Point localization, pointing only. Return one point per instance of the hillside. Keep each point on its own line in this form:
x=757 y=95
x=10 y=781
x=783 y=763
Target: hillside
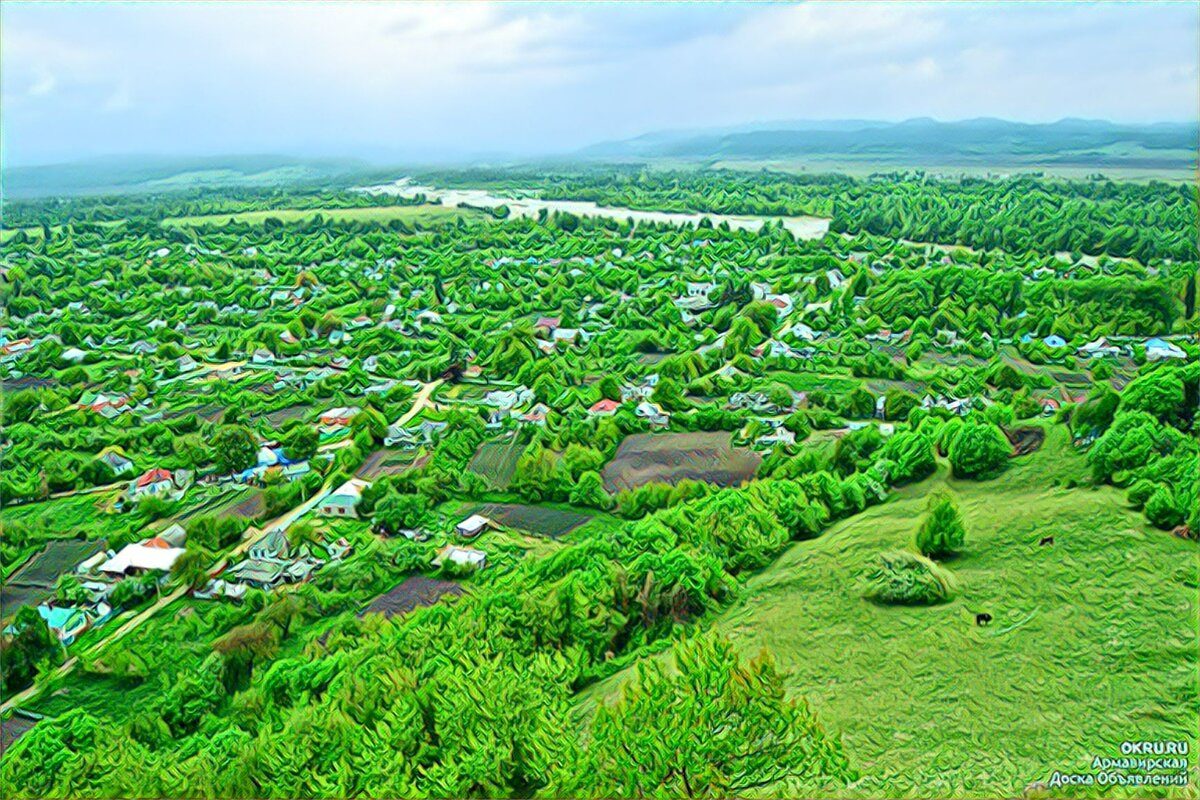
x=1092 y=642
x=138 y=174
x=994 y=142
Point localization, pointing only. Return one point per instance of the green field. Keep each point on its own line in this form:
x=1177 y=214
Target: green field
x=423 y=214
x=1093 y=640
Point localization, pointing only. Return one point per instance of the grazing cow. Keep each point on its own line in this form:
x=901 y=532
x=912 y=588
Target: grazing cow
x=1046 y=540
x=983 y=619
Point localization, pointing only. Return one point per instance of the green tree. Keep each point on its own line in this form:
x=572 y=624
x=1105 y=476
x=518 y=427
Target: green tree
x=712 y=727
x=979 y=450
x=942 y=532
x=24 y=652
x=301 y=442
x=234 y=449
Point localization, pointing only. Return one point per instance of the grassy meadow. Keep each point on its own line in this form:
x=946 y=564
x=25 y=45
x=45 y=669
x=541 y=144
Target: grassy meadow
x=1093 y=639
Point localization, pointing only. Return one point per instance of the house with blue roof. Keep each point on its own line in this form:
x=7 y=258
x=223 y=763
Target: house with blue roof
x=64 y=622
x=1157 y=349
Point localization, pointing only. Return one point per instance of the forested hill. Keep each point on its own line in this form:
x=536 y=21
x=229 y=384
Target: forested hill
x=1071 y=141
x=140 y=174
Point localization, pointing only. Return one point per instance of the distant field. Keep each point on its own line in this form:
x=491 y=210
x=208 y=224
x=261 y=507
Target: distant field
x=672 y=457
x=424 y=214
x=13 y=598
x=496 y=461
x=1169 y=166
x=1093 y=640
x=552 y=523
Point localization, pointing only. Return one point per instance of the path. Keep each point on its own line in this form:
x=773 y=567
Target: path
x=421 y=401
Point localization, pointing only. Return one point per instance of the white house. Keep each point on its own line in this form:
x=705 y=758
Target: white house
x=461 y=555
x=473 y=525
x=1158 y=349
x=344 y=501
x=142 y=557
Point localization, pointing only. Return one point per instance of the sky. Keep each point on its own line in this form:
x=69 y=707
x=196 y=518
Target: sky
x=436 y=80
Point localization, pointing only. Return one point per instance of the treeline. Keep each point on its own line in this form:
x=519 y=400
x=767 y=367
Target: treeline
x=1148 y=221
x=45 y=213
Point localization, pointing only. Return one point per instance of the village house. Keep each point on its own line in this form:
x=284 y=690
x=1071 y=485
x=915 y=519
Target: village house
x=1158 y=349
x=548 y=325
x=1099 y=349
x=604 y=408
x=463 y=556
x=777 y=436
x=508 y=399
x=653 y=414
x=536 y=415
x=65 y=622
x=344 y=501
x=138 y=558
x=152 y=482
x=116 y=461
x=473 y=525
x=339 y=417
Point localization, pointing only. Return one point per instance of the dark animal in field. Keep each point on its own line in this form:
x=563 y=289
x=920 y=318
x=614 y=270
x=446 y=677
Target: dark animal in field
x=983 y=619
x=1046 y=540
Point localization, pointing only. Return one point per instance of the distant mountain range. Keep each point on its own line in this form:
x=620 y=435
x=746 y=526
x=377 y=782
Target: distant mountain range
x=916 y=140
x=1169 y=148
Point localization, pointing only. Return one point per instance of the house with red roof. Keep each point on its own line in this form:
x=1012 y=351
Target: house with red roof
x=153 y=481
x=604 y=408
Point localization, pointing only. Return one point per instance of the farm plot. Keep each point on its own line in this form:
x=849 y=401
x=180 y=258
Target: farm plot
x=12 y=729
x=553 y=523
x=279 y=416
x=412 y=593
x=57 y=557
x=14 y=598
x=496 y=461
x=672 y=457
x=246 y=504
x=389 y=461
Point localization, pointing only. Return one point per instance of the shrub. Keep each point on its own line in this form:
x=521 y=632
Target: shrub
x=1140 y=492
x=906 y=579
x=942 y=532
x=1162 y=510
x=979 y=451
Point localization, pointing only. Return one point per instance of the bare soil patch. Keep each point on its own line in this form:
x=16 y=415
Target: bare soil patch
x=672 y=457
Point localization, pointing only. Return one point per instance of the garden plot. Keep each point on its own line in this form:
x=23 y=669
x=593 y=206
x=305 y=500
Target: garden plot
x=553 y=523
x=58 y=557
x=412 y=593
x=672 y=457
x=496 y=461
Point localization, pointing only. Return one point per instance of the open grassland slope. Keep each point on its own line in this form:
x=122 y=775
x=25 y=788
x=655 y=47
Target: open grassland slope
x=1093 y=639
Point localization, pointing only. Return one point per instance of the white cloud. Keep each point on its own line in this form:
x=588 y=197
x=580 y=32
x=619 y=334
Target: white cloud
x=120 y=99
x=44 y=84
x=468 y=77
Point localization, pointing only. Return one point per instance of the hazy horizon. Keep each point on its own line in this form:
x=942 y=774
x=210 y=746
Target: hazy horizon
x=458 y=81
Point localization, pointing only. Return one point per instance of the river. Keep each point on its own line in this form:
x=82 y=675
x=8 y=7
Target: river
x=800 y=227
